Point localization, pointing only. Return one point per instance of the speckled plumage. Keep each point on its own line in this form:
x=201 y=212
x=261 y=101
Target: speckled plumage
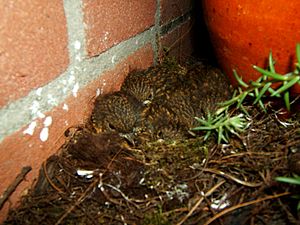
x=159 y=122
x=162 y=101
x=116 y=112
x=139 y=85
x=154 y=82
x=194 y=94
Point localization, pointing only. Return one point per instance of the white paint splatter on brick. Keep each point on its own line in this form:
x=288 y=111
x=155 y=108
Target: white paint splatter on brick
x=35 y=107
x=77 y=45
x=78 y=57
x=71 y=79
x=106 y=36
x=40 y=114
x=75 y=89
x=52 y=100
x=64 y=82
x=30 y=129
x=65 y=107
x=44 y=134
x=113 y=59
x=39 y=91
x=48 y=121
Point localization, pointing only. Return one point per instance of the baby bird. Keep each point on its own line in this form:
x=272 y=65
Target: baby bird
x=159 y=122
x=208 y=86
x=167 y=78
x=116 y=112
x=161 y=102
x=195 y=94
x=139 y=85
x=154 y=82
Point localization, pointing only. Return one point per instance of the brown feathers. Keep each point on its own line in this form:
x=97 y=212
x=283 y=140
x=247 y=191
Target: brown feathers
x=161 y=102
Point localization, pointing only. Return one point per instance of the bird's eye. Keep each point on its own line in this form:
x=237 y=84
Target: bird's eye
x=160 y=134
x=111 y=127
x=150 y=96
x=146 y=102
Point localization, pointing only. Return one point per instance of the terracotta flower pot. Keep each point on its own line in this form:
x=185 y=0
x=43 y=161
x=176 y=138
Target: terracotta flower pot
x=244 y=31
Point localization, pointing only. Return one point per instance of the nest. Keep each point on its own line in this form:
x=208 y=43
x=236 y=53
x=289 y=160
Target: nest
x=102 y=179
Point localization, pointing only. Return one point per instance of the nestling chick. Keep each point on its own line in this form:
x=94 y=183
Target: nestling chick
x=154 y=82
x=116 y=112
x=208 y=86
x=167 y=77
x=159 y=122
x=139 y=84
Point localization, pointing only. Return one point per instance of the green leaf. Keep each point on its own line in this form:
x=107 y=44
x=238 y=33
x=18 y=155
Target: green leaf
x=242 y=98
x=260 y=79
x=287 y=85
x=298 y=53
x=271 y=63
x=220 y=135
x=202 y=121
x=239 y=79
x=256 y=83
x=244 y=110
x=297 y=69
x=262 y=92
x=202 y=128
x=270 y=74
x=221 y=110
x=230 y=129
x=290 y=180
x=207 y=135
x=271 y=90
x=231 y=101
x=261 y=104
x=287 y=100
x=219 y=119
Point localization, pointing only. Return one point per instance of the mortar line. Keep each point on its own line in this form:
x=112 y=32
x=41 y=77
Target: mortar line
x=156 y=41
x=75 y=29
x=175 y=23
x=80 y=72
x=27 y=109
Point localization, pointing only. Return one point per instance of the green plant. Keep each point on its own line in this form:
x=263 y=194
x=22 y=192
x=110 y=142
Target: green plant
x=291 y=180
x=223 y=124
x=257 y=89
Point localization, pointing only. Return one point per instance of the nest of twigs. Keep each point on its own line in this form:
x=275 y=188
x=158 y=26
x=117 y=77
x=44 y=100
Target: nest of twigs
x=101 y=179
x=182 y=182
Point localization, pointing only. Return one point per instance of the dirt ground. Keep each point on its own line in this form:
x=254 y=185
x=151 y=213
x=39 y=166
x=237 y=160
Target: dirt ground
x=100 y=178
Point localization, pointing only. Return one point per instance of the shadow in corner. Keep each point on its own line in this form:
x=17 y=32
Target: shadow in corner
x=202 y=44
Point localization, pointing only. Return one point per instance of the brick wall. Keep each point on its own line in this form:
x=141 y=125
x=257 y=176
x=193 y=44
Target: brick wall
x=56 y=55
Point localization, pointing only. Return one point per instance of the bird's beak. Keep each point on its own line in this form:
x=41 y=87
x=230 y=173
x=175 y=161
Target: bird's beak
x=146 y=102
x=129 y=138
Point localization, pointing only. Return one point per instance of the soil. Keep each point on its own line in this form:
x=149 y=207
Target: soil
x=101 y=178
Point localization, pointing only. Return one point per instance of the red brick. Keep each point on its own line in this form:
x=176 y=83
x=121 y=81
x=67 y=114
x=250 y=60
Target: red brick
x=179 y=41
x=170 y=9
x=20 y=150
x=109 y=22
x=33 y=46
